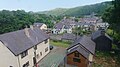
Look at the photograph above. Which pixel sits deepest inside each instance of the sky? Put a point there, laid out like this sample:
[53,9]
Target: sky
[43,5]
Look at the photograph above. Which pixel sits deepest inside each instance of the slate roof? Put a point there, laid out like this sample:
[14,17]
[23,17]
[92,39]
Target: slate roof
[59,25]
[67,26]
[81,50]
[66,23]
[84,23]
[84,45]
[68,36]
[99,33]
[38,24]
[88,19]
[17,42]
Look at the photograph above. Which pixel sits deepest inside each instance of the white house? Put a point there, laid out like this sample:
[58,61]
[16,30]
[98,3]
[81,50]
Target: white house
[102,25]
[23,48]
[42,26]
[60,28]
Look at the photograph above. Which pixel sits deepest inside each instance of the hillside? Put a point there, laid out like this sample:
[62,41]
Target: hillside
[57,11]
[79,11]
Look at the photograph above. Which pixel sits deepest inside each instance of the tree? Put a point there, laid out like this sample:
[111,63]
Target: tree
[112,16]
[17,20]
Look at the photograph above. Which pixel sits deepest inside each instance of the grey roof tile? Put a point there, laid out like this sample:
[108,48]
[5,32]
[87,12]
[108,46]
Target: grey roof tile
[85,42]
[99,33]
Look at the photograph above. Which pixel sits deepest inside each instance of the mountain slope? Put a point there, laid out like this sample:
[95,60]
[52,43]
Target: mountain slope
[57,11]
[81,10]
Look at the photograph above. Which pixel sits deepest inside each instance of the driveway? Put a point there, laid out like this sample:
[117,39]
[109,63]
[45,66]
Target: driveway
[54,58]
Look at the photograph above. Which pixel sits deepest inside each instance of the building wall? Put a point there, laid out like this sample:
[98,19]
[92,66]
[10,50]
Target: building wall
[103,43]
[7,58]
[102,25]
[90,57]
[40,48]
[69,30]
[83,61]
[27,58]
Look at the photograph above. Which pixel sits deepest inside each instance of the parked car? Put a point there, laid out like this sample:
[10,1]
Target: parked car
[51,47]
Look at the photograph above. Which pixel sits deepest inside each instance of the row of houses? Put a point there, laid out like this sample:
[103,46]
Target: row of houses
[86,24]
[24,48]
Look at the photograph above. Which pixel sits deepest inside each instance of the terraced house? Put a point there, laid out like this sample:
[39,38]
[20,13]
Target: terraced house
[23,48]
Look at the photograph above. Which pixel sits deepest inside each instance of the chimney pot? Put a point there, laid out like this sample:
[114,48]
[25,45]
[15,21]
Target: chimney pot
[27,32]
[31,27]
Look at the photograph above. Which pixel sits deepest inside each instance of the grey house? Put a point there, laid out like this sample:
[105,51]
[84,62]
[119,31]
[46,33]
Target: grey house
[102,40]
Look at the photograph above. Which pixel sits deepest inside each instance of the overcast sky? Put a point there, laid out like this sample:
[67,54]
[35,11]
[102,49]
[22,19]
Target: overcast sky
[42,5]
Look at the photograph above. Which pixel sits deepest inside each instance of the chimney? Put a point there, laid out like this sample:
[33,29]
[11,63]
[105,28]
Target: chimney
[31,27]
[103,32]
[26,30]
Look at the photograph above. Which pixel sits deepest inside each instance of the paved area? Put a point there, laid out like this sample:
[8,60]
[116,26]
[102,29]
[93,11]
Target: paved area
[54,58]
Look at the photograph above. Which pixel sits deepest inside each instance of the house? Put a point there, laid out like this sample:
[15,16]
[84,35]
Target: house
[89,19]
[102,40]
[81,52]
[61,27]
[42,26]
[85,26]
[102,25]
[65,25]
[23,48]
[58,28]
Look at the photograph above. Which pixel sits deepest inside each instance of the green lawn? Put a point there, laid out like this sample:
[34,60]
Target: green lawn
[64,44]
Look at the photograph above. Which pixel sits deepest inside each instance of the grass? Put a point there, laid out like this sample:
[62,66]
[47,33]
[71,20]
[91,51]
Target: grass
[64,44]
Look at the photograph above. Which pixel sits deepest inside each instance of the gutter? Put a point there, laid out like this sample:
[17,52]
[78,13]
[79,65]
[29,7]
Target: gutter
[18,61]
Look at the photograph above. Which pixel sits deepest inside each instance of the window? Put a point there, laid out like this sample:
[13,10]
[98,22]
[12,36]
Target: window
[37,55]
[41,53]
[25,53]
[26,64]
[76,60]
[46,49]
[46,41]
[76,54]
